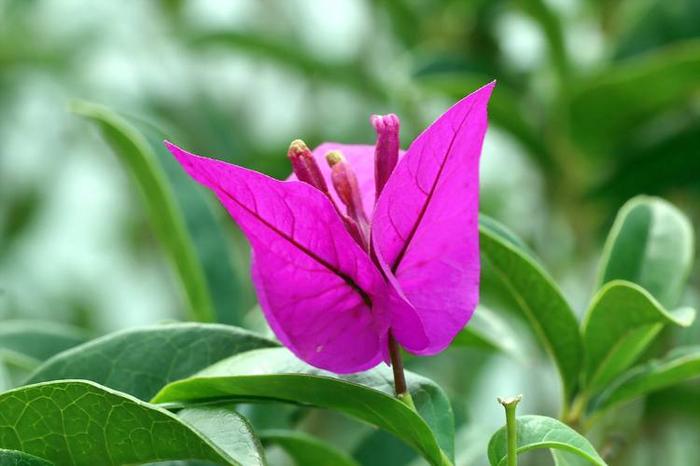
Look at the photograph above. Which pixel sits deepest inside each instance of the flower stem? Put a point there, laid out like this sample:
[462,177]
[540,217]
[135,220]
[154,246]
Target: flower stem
[399,378]
[510,405]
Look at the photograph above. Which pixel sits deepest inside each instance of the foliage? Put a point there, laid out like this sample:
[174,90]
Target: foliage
[104,242]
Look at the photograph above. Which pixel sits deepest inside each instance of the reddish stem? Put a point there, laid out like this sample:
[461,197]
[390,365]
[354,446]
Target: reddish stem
[397,366]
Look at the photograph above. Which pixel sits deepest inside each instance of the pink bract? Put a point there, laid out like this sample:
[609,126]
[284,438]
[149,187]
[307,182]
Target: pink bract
[330,301]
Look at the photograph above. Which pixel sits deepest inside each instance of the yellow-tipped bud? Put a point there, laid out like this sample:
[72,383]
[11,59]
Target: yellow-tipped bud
[297,148]
[304,165]
[334,157]
[346,186]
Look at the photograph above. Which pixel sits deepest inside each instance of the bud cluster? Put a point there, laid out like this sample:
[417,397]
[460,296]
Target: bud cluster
[344,178]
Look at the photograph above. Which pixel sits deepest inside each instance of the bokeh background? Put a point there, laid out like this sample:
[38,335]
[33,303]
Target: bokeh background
[597,101]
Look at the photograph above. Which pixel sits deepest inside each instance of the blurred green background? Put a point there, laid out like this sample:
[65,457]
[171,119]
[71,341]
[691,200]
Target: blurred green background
[597,101]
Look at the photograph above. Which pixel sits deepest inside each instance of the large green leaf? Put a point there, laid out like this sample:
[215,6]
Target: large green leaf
[275,374]
[651,244]
[605,109]
[141,361]
[378,447]
[541,302]
[82,423]
[680,365]
[226,429]
[535,432]
[305,449]
[622,320]
[166,218]
[38,340]
[18,458]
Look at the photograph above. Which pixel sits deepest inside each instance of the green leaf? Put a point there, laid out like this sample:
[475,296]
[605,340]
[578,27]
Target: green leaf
[535,432]
[38,340]
[630,93]
[218,423]
[81,423]
[306,450]
[565,458]
[680,365]
[487,331]
[18,458]
[651,244]
[229,287]
[495,227]
[166,214]
[141,361]
[541,302]
[275,374]
[378,447]
[621,321]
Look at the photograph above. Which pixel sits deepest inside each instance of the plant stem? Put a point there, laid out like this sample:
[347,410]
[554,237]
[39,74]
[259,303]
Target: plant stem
[573,415]
[510,405]
[399,378]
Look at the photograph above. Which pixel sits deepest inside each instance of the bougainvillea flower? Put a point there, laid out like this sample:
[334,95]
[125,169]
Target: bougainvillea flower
[364,243]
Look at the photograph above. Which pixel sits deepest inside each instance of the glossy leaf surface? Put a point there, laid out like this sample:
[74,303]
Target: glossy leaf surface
[143,360]
[275,374]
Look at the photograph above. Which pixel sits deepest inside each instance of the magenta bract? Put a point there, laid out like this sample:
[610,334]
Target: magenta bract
[329,300]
